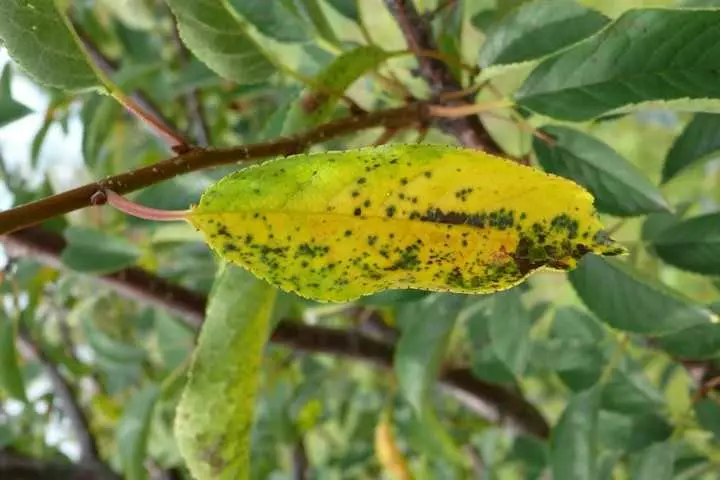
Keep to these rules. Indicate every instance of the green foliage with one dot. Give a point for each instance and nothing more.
(608, 371)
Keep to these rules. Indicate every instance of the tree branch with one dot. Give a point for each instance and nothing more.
(89, 453)
(199, 159)
(483, 398)
(468, 130)
(17, 466)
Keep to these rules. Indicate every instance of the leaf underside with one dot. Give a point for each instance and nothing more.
(340, 225)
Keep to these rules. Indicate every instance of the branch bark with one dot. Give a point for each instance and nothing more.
(17, 466)
(198, 159)
(418, 34)
(483, 398)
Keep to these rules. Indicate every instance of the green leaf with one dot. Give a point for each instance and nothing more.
(619, 187)
(620, 297)
(692, 244)
(509, 329)
(39, 140)
(707, 412)
(99, 116)
(630, 393)
(277, 19)
(657, 462)
(317, 104)
(485, 363)
(10, 110)
(11, 380)
(645, 55)
(573, 444)
(214, 33)
(533, 453)
(537, 29)
(347, 8)
(698, 142)
(631, 433)
(422, 345)
(336, 226)
(39, 38)
(95, 251)
(133, 431)
(700, 341)
(215, 414)
(313, 14)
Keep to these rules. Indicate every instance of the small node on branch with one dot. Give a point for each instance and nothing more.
(98, 198)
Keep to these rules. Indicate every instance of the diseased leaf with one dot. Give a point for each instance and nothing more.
(336, 226)
(38, 37)
(699, 141)
(573, 444)
(11, 380)
(422, 345)
(316, 105)
(215, 414)
(538, 28)
(692, 244)
(649, 54)
(94, 251)
(217, 37)
(618, 186)
(624, 300)
(133, 431)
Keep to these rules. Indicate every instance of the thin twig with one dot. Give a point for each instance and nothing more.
(199, 159)
(136, 102)
(483, 398)
(193, 99)
(89, 453)
(468, 130)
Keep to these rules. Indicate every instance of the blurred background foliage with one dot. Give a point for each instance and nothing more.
(579, 351)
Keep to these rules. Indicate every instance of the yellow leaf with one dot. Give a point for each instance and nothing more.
(339, 225)
(387, 451)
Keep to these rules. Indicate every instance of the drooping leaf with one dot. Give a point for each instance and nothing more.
(11, 380)
(422, 345)
(39, 140)
(509, 329)
(485, 362)
(336, 226)
(133, 431)
(618, 186)
(99, 116)
(10, 110)
(38, 37)
(657, 462)
(217, 37)
(316, 104)
(700, 140)
(538, 28)
(278, 19)
(692, 244)
(648, 54)
(573, 444)
(623, 299)
(93, 251)
(700, 341)
(215, 414)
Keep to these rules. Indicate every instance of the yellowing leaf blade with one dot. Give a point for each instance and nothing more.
(215, 414)
(339, 225)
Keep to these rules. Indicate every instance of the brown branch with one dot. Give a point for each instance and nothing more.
(198, 159)
(468, 130)
(17, 466)
(137, 102)
(89, 453)
(481, 397)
